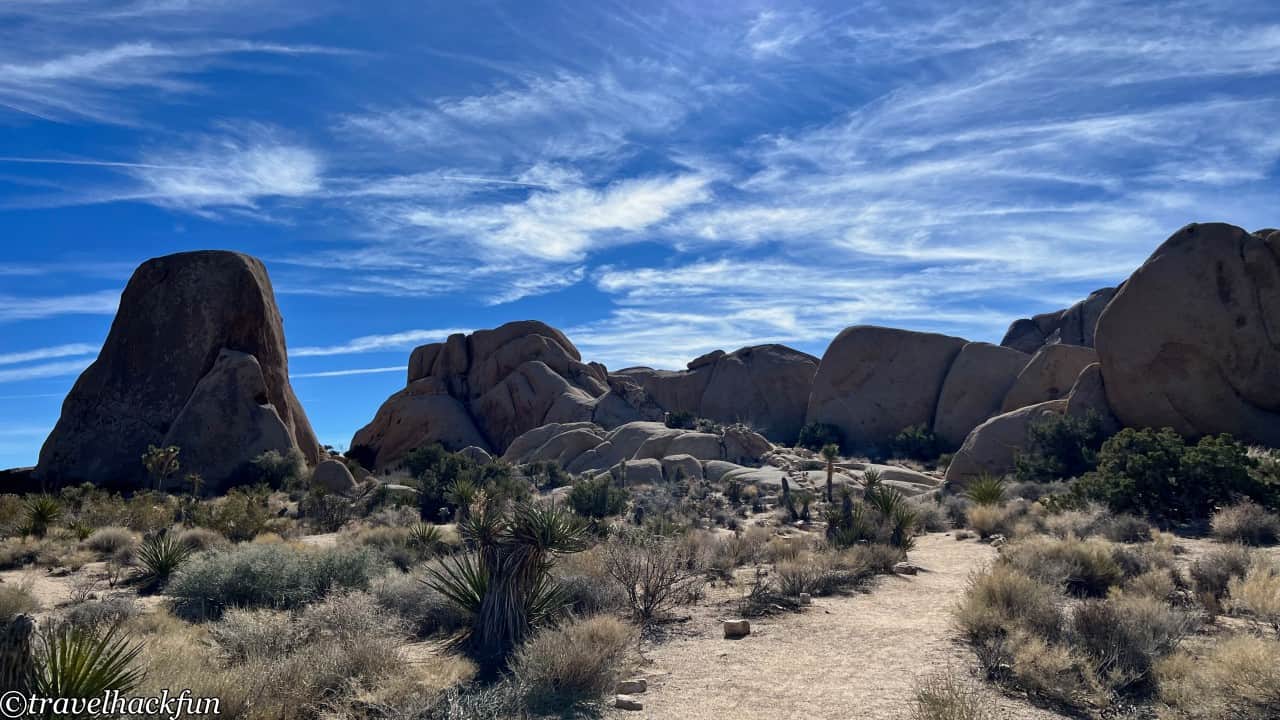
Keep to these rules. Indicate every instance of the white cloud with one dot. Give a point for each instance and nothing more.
(345, 373)
(405, 340)
(775, 33)
(35, 308)
(44, 370)
(48, 353)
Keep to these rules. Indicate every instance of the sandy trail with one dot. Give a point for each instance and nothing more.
(845, 657)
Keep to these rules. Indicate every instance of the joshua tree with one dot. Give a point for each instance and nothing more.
(161, 463)
(505, 584)
(830, 453)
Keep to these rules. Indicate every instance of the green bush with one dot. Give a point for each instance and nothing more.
(815, 434)
(281, 470)
(580, 661)
(1156, 473)
(440, 475)
(916, 442)
(681, 420)
(1059, 446)
(597, 498)
(267, 576)
(986, 490)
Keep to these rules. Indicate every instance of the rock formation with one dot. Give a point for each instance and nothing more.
(196, 358)
(765, 387)
(1049, 375)
(873, 382)
(488, 388)
(1075, 325)
(974, 388)
(484, 389)
(1192, 340)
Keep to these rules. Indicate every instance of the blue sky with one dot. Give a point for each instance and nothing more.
(657, 179)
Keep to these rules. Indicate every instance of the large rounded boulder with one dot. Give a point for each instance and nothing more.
(1192, 339)
(977, 381)
(195, 357)
(874, 381)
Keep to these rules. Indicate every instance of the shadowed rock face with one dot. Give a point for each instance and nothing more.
(764, 386)
(160, 366)
(1075, 325)
(1192, 340)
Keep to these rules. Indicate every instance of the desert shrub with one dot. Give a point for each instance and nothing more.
(440, 474)
(241, 515)
(597, 498)
(281, 470)
(798, 576)
(579, 661)
(916, 442)
(200, 539)
(16, 599)
(1257, 594)
(950, 696)
(1160, 584)
(1124, 529)
(425, 610)
(1086, 568)
(1052, 674)
(1237, 678)
(324, 511)
(852, 568)
(266, 576)
(1059, 446)
(1212, 574)
(1126, 636)
(588, 588)
(1248, 523)
(1004, 599)
(986, 490)
(1155, 473)
(681, 420)
(655, 573)
(815, 434)
(1074, 523)
(506, 586)
(931, 516)
(104, 613)
(108, 541)
(11, 514)
(987, 520)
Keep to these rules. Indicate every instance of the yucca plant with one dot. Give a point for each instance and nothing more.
(41, 511)
(159, 557)
(870, 482)
(830, 453)
(986, 490)
(425, 536)
(504, 583)
(462, 493)
(74, 662)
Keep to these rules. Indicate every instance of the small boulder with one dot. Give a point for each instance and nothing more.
(905, 568)
(806, 599)
(734, 629)
(335, 477)
(633, 686)
(626, 702)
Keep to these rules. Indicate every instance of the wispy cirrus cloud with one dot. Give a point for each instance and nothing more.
(405, 340)
(349, 372)
(48, 353)
(36, 307)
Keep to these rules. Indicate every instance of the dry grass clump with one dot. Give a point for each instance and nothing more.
(1235, 679)
(426, 611)
(97, 614)
(581, 660)
(1027, 628)
(586, 584)
(989, 520)
(950, 696)
(1211, 574)
(199, 539)
(1247, 523)
(1082, 567)
(17, 599)
(109, 541)
(1257, 594)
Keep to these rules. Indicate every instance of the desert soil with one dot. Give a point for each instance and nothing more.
(856, 656)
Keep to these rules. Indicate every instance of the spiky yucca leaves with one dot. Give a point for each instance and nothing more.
(41, 512)
(426, 536)
(986, 490)
(895, 512)
(504, 584)
(830, 453)
(74, 662)
(159, 557)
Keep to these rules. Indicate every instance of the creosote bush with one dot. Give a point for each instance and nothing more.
(950, 696)
(597, 497)
(1237, 678)
(655, 573)
(266, 576)
(1059, 446)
